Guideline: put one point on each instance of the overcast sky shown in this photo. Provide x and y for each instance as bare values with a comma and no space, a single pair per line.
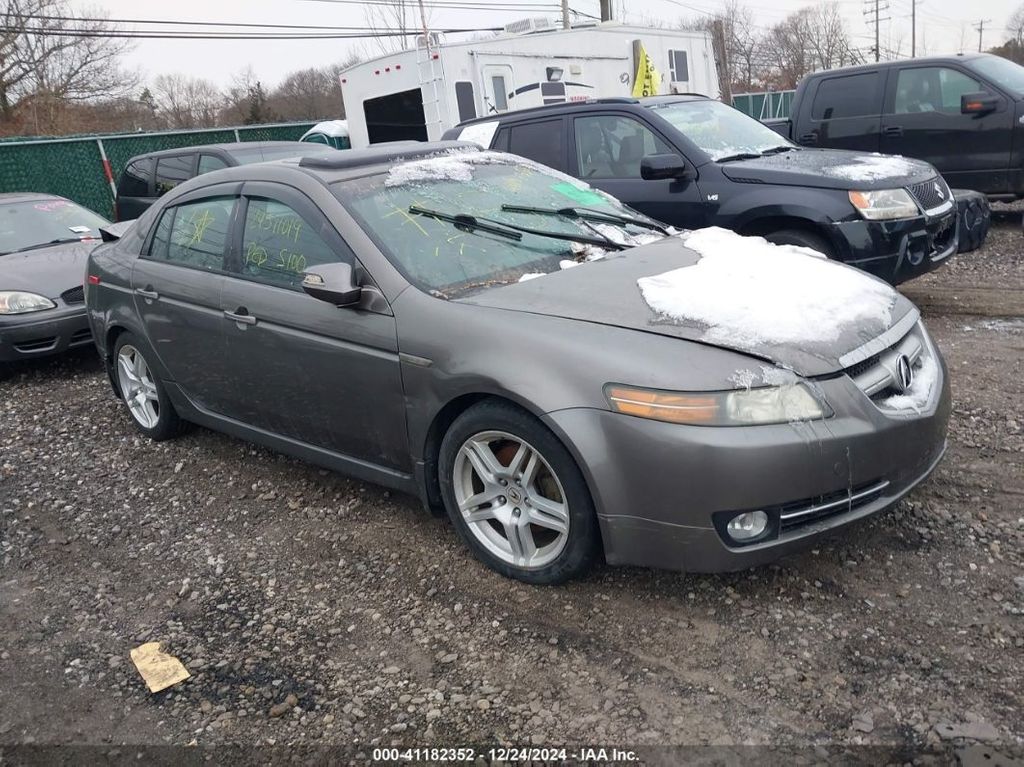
944,26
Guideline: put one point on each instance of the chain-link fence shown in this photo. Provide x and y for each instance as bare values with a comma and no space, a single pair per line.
74,168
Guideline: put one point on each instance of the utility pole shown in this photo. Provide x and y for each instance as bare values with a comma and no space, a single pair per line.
606,10
980,26
565,14
913,28
869,11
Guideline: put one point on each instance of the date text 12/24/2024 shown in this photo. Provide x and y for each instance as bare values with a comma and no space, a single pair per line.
504,754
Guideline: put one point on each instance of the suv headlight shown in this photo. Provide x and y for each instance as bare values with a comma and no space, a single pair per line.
739,407
20,302
884,204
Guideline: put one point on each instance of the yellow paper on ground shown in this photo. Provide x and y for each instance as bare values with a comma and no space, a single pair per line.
158,669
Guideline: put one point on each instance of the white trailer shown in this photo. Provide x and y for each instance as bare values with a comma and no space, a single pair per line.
419,93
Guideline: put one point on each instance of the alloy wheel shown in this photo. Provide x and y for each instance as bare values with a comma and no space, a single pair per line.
511,499
138,387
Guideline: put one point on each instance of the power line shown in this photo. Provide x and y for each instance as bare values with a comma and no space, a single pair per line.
143,35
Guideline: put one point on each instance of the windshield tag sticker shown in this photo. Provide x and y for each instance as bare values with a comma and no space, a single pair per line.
79,229
582,196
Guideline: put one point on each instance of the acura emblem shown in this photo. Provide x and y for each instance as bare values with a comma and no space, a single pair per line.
938,191
904,373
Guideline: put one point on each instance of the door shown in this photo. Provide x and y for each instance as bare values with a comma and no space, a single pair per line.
923,120
177,284
498,88
607,150
302,368
845,113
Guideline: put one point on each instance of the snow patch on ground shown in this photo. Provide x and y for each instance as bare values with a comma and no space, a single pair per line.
874,167
749,292
920,391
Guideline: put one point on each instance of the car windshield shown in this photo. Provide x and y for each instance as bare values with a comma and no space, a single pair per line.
1000,71
266,154
719,130
34,223
459,223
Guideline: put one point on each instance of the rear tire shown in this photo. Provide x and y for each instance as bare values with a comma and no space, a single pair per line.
516,496
802,239
974,216
148,405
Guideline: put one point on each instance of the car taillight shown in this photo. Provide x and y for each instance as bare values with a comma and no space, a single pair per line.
94,279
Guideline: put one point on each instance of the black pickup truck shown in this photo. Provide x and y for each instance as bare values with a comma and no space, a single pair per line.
962,114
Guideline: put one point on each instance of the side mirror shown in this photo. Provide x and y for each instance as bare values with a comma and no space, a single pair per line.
978,103
333,283
661,166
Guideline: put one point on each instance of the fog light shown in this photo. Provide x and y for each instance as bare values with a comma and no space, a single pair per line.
747,526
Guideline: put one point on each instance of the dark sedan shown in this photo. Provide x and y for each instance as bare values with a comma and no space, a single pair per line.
561,374
44,241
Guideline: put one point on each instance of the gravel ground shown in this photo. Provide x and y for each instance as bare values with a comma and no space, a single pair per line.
310,608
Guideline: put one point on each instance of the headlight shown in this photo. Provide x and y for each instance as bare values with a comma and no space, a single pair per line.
883,204
20,302
740,407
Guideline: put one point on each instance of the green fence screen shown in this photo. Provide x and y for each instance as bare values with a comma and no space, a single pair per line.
766,105
73,167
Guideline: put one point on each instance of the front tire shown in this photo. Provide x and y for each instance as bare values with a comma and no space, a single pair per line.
802,239
142,391
516,496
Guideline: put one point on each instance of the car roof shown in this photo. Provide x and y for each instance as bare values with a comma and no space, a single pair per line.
228,148
8,197
588,105
921,61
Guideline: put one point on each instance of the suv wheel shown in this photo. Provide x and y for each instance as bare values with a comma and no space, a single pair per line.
802,239
516,496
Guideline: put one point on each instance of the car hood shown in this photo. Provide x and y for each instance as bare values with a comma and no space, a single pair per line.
830,169
606,292
46,271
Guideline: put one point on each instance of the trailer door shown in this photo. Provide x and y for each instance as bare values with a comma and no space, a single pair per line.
498,87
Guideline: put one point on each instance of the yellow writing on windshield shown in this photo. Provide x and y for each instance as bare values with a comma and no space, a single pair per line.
199,220
282,224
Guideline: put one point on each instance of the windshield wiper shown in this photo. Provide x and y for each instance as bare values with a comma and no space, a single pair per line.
777,150
738,156
58,241
512,231
587,214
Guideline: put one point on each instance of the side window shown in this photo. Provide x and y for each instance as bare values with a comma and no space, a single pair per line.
194,234
500,91
465,99
317,138
679,72
171,171
278,244
931,89
553,93
543,141
208,162
611,146
849,96
501,141
135,179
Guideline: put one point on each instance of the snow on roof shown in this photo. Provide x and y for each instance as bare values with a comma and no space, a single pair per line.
337,128
749,292
874,167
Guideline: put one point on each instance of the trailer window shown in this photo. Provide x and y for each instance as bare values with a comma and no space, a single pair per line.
679,71
553,93
466,101
498,87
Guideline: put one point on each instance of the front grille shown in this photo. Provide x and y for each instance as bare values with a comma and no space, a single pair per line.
931,194
841,501
74,296
876,376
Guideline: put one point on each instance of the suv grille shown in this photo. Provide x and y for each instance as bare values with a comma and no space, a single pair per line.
74,296
931,194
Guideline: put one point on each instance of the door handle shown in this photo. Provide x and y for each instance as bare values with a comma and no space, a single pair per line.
240,315
147,292
808,138
892,130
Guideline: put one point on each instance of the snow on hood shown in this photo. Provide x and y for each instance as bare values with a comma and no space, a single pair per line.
874,167
748,292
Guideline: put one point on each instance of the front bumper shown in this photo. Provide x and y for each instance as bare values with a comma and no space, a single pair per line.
39,334
899,250
658,486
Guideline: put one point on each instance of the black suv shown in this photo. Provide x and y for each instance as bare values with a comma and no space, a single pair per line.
146,177
694,162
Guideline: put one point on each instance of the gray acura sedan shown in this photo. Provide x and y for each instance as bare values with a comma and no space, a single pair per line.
565,377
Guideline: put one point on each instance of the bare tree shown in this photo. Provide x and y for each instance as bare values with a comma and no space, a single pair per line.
390,16
49,61
811,38
309,94
1015,25
187,102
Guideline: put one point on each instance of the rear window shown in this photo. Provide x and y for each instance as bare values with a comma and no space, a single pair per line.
849,96
134,180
